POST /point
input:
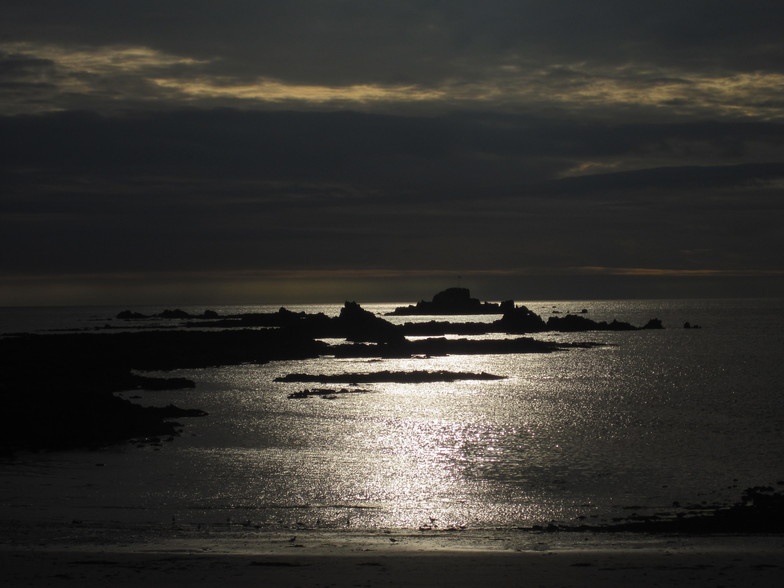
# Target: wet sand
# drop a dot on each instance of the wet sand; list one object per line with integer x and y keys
{"x": 98, "y": 556}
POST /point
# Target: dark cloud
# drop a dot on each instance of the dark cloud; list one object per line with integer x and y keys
{"x": 505, "y": 137}
{"x": 273, "y": 190}
{"x": 373, "y": 150}
{"x": 21, "y": 67}
{"x": 674, "y": 178}
{"x": 416, "y": 41}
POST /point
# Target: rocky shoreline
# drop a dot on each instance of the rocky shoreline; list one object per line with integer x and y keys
{"x": 759, "y": 510}
{"x": 415, "y": 377}
{"x": 59, "y": 389}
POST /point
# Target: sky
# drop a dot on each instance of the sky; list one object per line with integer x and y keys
{"x": 249, "y": 151}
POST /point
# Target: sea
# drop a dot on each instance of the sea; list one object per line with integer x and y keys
{"x": 649, "y": 422}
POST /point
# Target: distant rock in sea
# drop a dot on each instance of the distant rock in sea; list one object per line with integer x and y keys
{"x": 452, "y": 301}
{"x": 167, "y": 314}
{"x": 575, "y": 323}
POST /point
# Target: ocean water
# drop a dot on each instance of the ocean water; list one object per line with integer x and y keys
{"x": 646, "y": 422}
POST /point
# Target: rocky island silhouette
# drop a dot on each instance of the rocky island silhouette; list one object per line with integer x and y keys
{"x": 454, "y": 301}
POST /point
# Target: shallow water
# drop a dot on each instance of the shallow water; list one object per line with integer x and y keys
{"x": 650, "y": 418}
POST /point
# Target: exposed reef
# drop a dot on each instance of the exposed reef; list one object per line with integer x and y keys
{"x": 760, "y": 510}
{"x": 577, "y": 323}
{"x": 327, "y": 393}
{"x": 166, "y": 314}
{"x": 442, "y": 346}
{"x": 359, "y": 325}
{"x": 519, "y": 320}
{"x": 387, "y": 376}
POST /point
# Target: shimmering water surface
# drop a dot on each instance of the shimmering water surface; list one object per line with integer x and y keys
{"x": 650, "y": 418}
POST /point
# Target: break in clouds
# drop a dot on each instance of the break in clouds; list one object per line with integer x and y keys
{"x": 504, "y": 138}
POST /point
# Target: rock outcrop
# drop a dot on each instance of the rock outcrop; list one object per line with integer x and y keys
{"x": 452, "y": 301}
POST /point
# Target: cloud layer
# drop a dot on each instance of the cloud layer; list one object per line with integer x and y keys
{"x": 244, "y": 141}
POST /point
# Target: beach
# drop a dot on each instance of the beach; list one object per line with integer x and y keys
{"x": 126, "y": 556}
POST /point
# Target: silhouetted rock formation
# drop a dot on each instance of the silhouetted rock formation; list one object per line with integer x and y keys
{"x": 174, "y": 314}
{"x": 520, "y": 320}
{"x": 354, "y": 323}
{"x": 438, "y": 328}
{"x": 576, "y": 323}
{"x": 358, "y": 324}
{"x": 451, "y": 301}
{"x": 327, "y": 393}
{"x": 167, "y": 314}
{"x": 573, "y": 322}
{"x": 442, "y": 346}
{"x": 58, "y": 389}
{"x": 129, "y": 315}
{"x": 387, "y": 376}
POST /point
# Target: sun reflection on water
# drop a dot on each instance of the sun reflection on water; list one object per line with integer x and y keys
{"x": 411, "y": 450}
{"x": 467, "y": 452}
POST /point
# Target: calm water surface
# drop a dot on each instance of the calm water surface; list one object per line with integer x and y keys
{"x": 650, "y": 418}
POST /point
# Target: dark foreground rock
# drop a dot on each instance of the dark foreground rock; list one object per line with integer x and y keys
{"x": 57, "y": 391}
{"x": 66, "y": 419}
